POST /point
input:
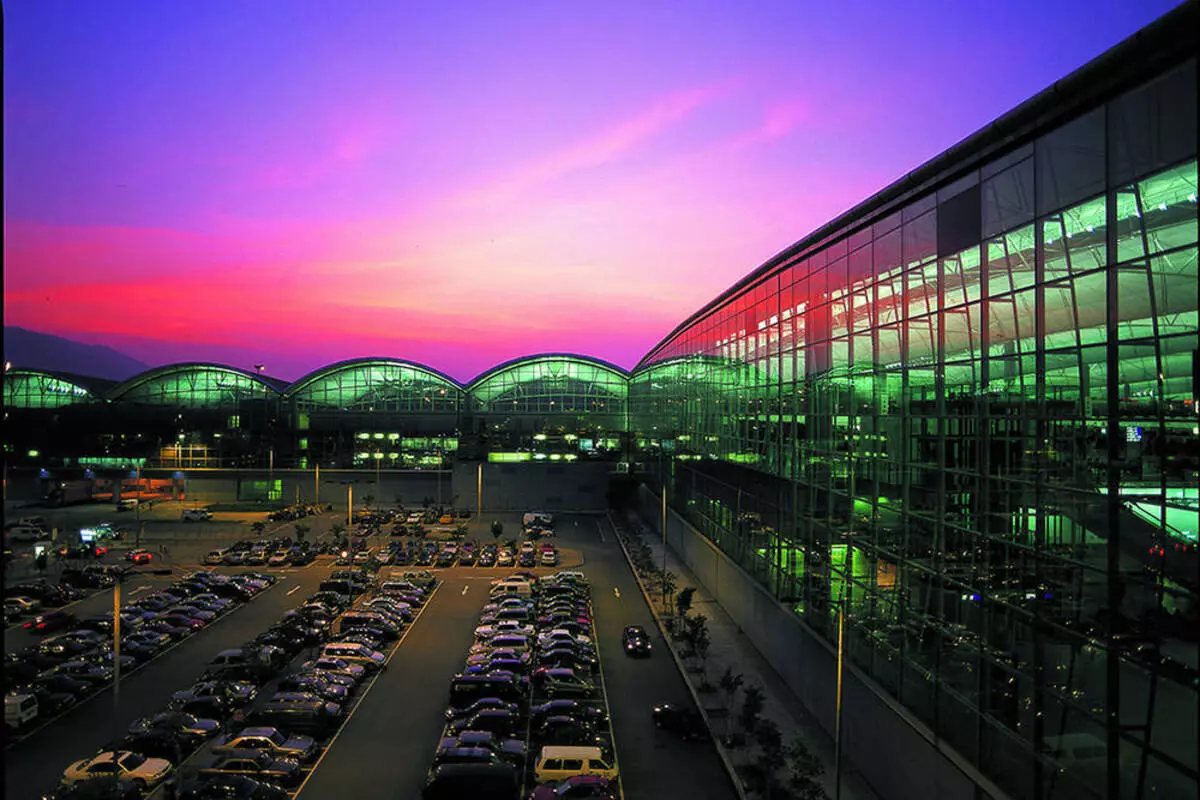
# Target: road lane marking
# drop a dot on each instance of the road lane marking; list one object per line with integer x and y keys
{"x": 293, "y": 590}
{"x": 140, "y": 589}
{"x": 617, "y": 592}
{"x": 366, "y": 690}
{"x": 465, "y": 587}
{"x": 126, "y": 674}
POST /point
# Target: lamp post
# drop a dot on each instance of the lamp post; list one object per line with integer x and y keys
{"x": 663, "y": 480}
{"x": 117, "y": 656}
{"x": 479, "y": 491}
{"x": 137, "y": 508}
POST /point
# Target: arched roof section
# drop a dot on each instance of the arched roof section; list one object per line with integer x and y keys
{"x": 194, "y": 385}
{"x": 377, "y": 384}
{"x": 699, "y": 368}
{"x": 552, "y": 383}
{"x": 27, "y": 388}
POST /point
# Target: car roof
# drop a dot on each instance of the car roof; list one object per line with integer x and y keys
{"x": 571, "y": 751}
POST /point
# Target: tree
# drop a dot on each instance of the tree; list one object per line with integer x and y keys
{"x": 729, "y": 685}
{"x": 497, "y": 529}
{"x": 301, "y": 531}
{"x": 367, "y": 500}
{"x": 701, "y": 640}
{"x": 338, "y": 529}
{"x": 770, "y": 754}
{"x": 399, "y": 501}
{"x": 804, "y": 772}
{"x": 258, "y": 528}
{"x": 752, "y": 706}
{"x": 683, "y": 601}
{"x": 667, "y": 582}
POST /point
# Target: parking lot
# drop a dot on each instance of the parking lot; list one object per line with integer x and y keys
{"x": 388, "y": 740}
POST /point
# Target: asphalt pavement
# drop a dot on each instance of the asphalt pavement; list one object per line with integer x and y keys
{"x": 384, "y": 749}
{"x": 35, "y": 764}
{"x": 654, "y": 764}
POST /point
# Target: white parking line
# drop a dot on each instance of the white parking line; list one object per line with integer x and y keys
{"x": 616, "y": 592}
{"x": 366, "y": 689}
{"x": 293, "y": 590}
{"x": 125, "y": 674}
{"x": 465, "y": 587}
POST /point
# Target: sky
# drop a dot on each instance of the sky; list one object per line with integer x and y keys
{"x": 295, "y": 183}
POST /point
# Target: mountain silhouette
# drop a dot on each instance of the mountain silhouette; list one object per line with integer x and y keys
{"x": 26, "y": 349}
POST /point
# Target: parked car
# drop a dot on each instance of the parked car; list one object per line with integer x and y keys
{"x": 197, "y": 515}
{"x": 253, "y": 764}
{"x": 144, "y": 772}
{"x": 577, "y": 787}
{"x": 268, "y": 740}
{"x": 189, "y": 727}
{"x": 234, "y": 787}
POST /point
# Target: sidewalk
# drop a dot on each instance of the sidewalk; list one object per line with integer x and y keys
{"x": 730, "y": 648}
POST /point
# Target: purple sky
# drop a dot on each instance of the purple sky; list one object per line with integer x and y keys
{"x": 296, "y": 183}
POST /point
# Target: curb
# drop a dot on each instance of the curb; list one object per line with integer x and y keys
{"x": 721, "y": 750}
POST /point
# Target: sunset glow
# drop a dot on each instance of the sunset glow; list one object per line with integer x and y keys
{"x": 298, "y": 183}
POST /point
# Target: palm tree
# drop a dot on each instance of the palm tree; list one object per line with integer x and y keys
{"x": 301, "y": 531}
{"x": 258, "y": 528}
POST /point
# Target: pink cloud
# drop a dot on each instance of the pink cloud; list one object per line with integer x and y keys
{"x": 610, "y": 144}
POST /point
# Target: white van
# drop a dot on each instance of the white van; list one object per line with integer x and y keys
{"x": 559, "y": 763}
{"x": 512, "y": 589}
{"x": 20, "y": 710}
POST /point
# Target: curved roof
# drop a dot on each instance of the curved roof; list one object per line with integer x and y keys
{"x": 367, "y": 361}
{"x": 194, "y": 385}
{"x": 30, "y": 388}
{"x": 378, "y": 384}
{"x": 546, "y": 357}
{"x": 571, "y": 376}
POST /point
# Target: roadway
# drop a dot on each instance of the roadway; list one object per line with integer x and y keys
{"x": 384, "y": 749}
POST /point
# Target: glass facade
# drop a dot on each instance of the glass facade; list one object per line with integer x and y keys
{"x": 31, "y": 389}
{"x": 544, "y": 385}
{"x": 195, "y": 386}
{"x": 549, "y": 406}
{"x": 377, "y": 385}
{"x": 969, "y": 419}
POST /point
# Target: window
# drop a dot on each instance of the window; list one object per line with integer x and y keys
{"x": 234, "y": 422}
{"x": 1070, "y": 163}
{"x": 1154, "y": 125}
{"x": 1008, "y": 199}
{"x": 959, "y": 222}
{"x": 572, "y": 764}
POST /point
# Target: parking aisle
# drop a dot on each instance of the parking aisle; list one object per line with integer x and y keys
{"x": 653, "y": 763}
{"x": 384, "y": 749}
{"x": 35, "y": 764}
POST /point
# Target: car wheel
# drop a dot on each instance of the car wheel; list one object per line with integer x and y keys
{"x": 140, "y": 784}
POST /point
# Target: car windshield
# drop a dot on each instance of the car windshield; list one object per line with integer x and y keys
{"x": 131, "y": 761}
{"x": 277, "y": 737}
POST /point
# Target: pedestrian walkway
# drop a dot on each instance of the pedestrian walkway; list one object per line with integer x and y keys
{"x": 730, "y": 648}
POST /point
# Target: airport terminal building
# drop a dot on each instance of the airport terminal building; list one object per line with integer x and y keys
{"x": 961, "y": 418}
